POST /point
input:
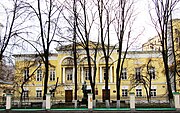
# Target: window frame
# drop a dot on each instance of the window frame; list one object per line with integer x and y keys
{"x": 86, "y": 74}
{"x": 124, "y": 92}
{"x": 38, "y": 93}
{"x": 152, "y": 72}
{"x": 124, "y": 74}
{"x": 39, "y": 75}
{"x": 25, "y": 94}
{"x": 69, "y": 77}
{"x": 153, "y": 92}
{"x": 26, "y": 73}
{"x": 138, "y": 73}
{"x": 138, "y": 92}
{"x": 52, "y": 75}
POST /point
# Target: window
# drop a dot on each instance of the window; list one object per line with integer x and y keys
{"x": 69, "y": 76}
{"x": 69, "y": 73}
{"x": 139, "y": 92}
{"x": 25, "y": 94}
{"x": 38, "y": 93}
{"x": 86, "y": 74}
{"x": 152, "y": 72}
{"x": 153, "y": 92}
{"x": 124, "y": 92}
{"x": 39, "y": 75}
{"x": 138, "y": 73}
{"x": 52, "y": 75}
{"x": 124, "y": 74}
{"x": 26, "y": 74}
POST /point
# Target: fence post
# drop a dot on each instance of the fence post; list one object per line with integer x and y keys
{"x": 90, "y": 101}
{"x": 176, "y": 100}
{"x": 132, "y": 100}
{"x": 8, "y": 101}
{"x": 48, "y": 101}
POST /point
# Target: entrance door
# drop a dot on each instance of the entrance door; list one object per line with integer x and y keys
{"x": 104, "y": 94}
{"x": 68, "y": 96}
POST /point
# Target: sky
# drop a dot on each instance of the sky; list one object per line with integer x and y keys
{"x": 142, "y": 22}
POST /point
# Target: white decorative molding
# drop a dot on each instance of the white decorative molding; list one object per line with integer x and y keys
{"x": 104, "y": 87}
{"x": 68, "y": 88}
{"x": 139, "y": 87}
{"x": 124, "y": 87}
{"x": 38, "y": 88}
{"x": 60, "y": 62}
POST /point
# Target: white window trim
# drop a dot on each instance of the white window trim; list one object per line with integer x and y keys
{"x": 123, "y": 73}
{"x": 39, "y": 76}
{"x": 52, "y": 75}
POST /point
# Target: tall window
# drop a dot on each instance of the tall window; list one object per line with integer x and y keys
{"x": 38, "y": 93}
{"x": 138, "y": 92}
{"x": 26, "y": 73}
{"x": 52, "y": 75}
{"x": 87, "y": 74}
{"x": 69, "y": 76}
{"x": 124, "y": 92}
{"x": 69, "y": 73}
{"x": 124, "y": 74}
{"x": 153, "y": 92}
{"x": 138, "y": 73}
{"x": 39, "y": 75}
{"x": 152, "y": 72}
{"x": 25, "y": 94}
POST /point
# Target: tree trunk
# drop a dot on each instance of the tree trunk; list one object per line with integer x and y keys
{"x": 46, "y": 74}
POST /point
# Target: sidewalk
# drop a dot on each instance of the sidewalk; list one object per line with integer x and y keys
{"x": 95, "y": 110}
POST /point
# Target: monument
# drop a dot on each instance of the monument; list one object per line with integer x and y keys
{"x": 85, "y": 96}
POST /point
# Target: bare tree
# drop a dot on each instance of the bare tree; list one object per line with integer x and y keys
{"x": 12, "y": 28}
{"x": 145, "y": 77}
{"x": 163, "y": 11}
{"x": 47, "y": 14}
{"x": 28, "y": 72}
{"x": 71, "y": 7}
{"x": 105, "y": 21}
{"x": 123, "y": 19}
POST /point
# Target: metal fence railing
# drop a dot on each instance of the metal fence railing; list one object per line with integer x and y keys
{"x": 59, "y": 101}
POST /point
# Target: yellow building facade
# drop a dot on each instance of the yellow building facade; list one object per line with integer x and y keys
{"x": 137, "y": 69}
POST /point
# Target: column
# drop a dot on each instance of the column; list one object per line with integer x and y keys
{"x": 82, "y": 75}
{"x": 177, "y": 100}
{"x": 90, "y": 101}
{"x": 92, "y": 68}
{"x": 64, "y": 74}
{"x": 48, "y": 101}
{"x": 73, "y": 74}
{"x": 110, "y": 75}
{"x": 8, "y": 101}
{"x": 100, "y": 74}
{"x": 132, "y": 100}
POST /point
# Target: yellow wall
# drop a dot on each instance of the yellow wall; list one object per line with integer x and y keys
{"x": 133, "y": 60}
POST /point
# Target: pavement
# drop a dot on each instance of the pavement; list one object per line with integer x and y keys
{"x": 81, "y": 111}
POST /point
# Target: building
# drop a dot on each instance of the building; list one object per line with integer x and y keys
{"x": 173, "y": 43}
{"x": 152, "y": 44}
{"x": 135, "y": 77}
